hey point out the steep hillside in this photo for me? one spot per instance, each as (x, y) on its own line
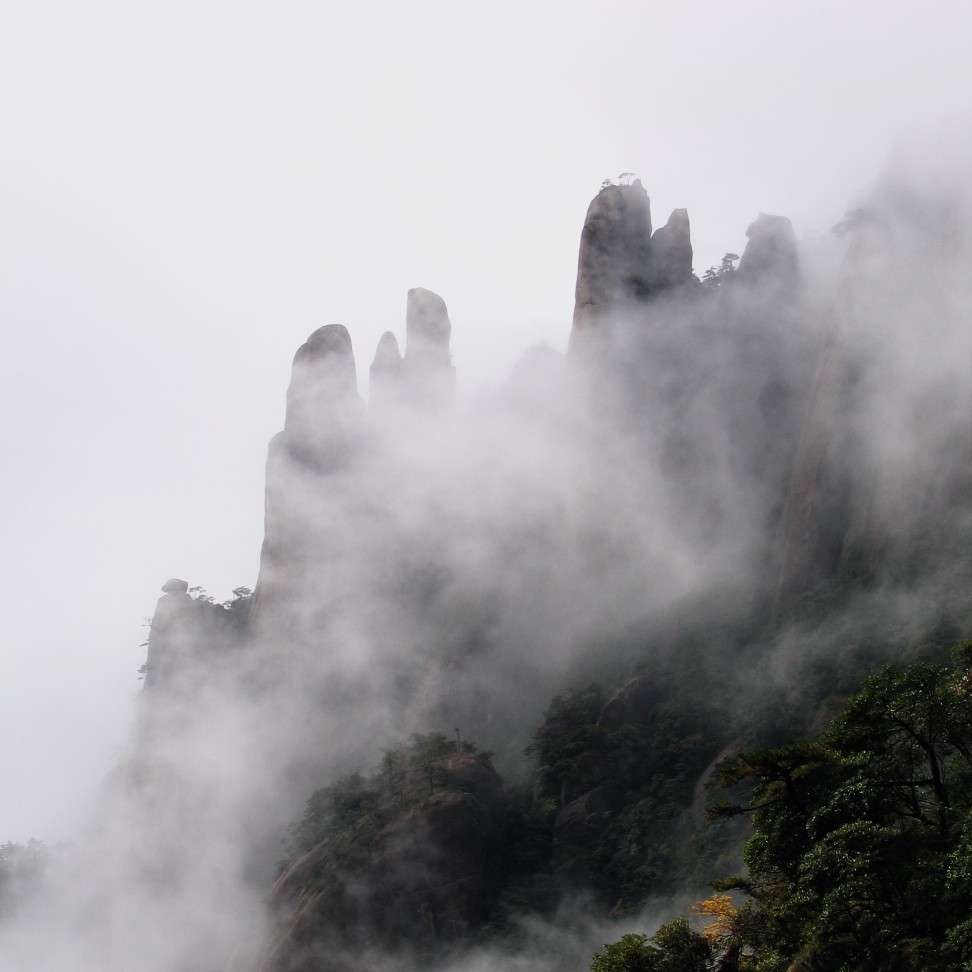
(690, 536)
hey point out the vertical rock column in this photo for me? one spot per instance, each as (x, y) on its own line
(385, 376)
(424, 380)
(427, 366)
(614, 260)
(322, 430)
(168, 633)
(622, 267)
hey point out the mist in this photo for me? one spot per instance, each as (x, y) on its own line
(524, 505)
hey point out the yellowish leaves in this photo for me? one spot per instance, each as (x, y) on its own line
(721, 913)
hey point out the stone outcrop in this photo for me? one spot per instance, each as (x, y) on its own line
(424, 379)
(770, 258)
(385, 375)
(185, 635)
(613, 264)
(630, 704)
(323, 409)
(622, 266)
(429, 376)
(325, 430)
(577, 828)
(322, 431)
(170, 638)
(671, 252)
(427, 329)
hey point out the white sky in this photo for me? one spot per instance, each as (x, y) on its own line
(188, 189)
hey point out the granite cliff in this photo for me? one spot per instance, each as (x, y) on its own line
(721, 478)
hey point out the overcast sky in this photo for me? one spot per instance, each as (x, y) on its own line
(188, 189)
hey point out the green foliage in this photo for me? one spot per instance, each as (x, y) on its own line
(675, 947)
(357, 805)
(861, 853)
(716, 276)
(568, 741)
(633, 779)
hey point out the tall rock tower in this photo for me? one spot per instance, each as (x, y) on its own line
(424, 380)
(622, 266)
(322, 432)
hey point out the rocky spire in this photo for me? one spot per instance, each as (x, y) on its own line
(167, 633)
(671, 252)
(385, 376)
(424, 378)
(322, 399)
(770, 257)
(613, 264)
(322, 430)
(621, 266)
(427, 366)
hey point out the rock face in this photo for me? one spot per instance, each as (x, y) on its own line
(621, 266)
(185, 635)
(577, 829)
(671, 251)
(631, 703)
(385, 376)
(322, 431)
(427, 369)
(614, 263)
(323, 410)
(428, 330)
(424, 380)
(715, 393)
(771, 254)
(171, 634)
(882, 484)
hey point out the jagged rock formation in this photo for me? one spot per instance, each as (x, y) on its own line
(613, 265)
(323, 409)
(770, 256)
(719, 434)
(671, 252)
(185, 635)
(171, 634)
(708, 384)
(424, 379)
(621, 265)
(322, 431)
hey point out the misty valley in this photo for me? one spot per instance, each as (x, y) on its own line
(654, 657)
